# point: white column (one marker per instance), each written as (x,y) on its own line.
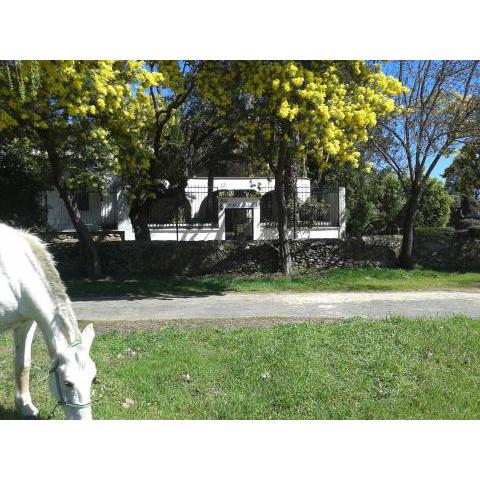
(256,220)
(221,220)
(341,212)
(123,219)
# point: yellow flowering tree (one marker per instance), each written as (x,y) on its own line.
(291,109)
(61,107)
(152,111)
(166,132)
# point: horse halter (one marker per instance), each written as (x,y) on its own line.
(62,402)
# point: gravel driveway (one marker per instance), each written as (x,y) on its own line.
(282,306)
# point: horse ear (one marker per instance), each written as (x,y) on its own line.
(87,336)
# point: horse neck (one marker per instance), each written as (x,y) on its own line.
(62,331)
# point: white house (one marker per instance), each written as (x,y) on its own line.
(234,208)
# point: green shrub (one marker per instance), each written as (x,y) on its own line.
(435,205)
(437,233)
(312,211)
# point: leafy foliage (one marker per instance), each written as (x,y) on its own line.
(66,112)
(312,211)
(320,108)
(375,201)
(22,184)
(438,232)
(435,205)
(463,175)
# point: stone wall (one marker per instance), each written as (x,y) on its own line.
(394,242)
(447,249)
(321,254)
(441,248)
(132,259)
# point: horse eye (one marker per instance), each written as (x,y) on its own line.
(68,384)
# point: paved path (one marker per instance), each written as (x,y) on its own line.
(328,306)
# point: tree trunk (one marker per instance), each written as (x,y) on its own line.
(468,205)
(291,193)
(84,235)
(283,245)
(291,176)
(139,217)
(406,252)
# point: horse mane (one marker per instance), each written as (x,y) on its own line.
(48,266)
(51,278)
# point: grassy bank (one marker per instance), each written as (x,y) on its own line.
(369,279)
(395,369)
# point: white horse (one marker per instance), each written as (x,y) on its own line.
(31,293)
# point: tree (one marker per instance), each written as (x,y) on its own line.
(374,197)
(156,147)
(436,116)
(463,177)
(375,204)
(62,112)
(288,109)
(376,201)
(167,133)
(435,205)
(195,142)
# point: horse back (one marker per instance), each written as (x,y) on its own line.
(24,292)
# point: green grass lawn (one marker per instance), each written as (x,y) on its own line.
(392,369)
(373,279)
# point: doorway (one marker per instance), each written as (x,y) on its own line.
(239,224)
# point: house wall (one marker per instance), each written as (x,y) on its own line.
(271,233)
(188,234)
(262,184)
(103,209)
(123,209)
(101,212)
(57,216)
(264,233)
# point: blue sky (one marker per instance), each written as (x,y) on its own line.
(442,164)
(391,68)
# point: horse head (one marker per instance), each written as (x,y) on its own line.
(71,377)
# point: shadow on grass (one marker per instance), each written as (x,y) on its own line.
(9,414)
(337,279)
(163,289)
(12,414)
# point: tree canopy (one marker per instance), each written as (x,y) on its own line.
(289,110)
(463,175)
(62,107)
(321,108)
(437,114)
